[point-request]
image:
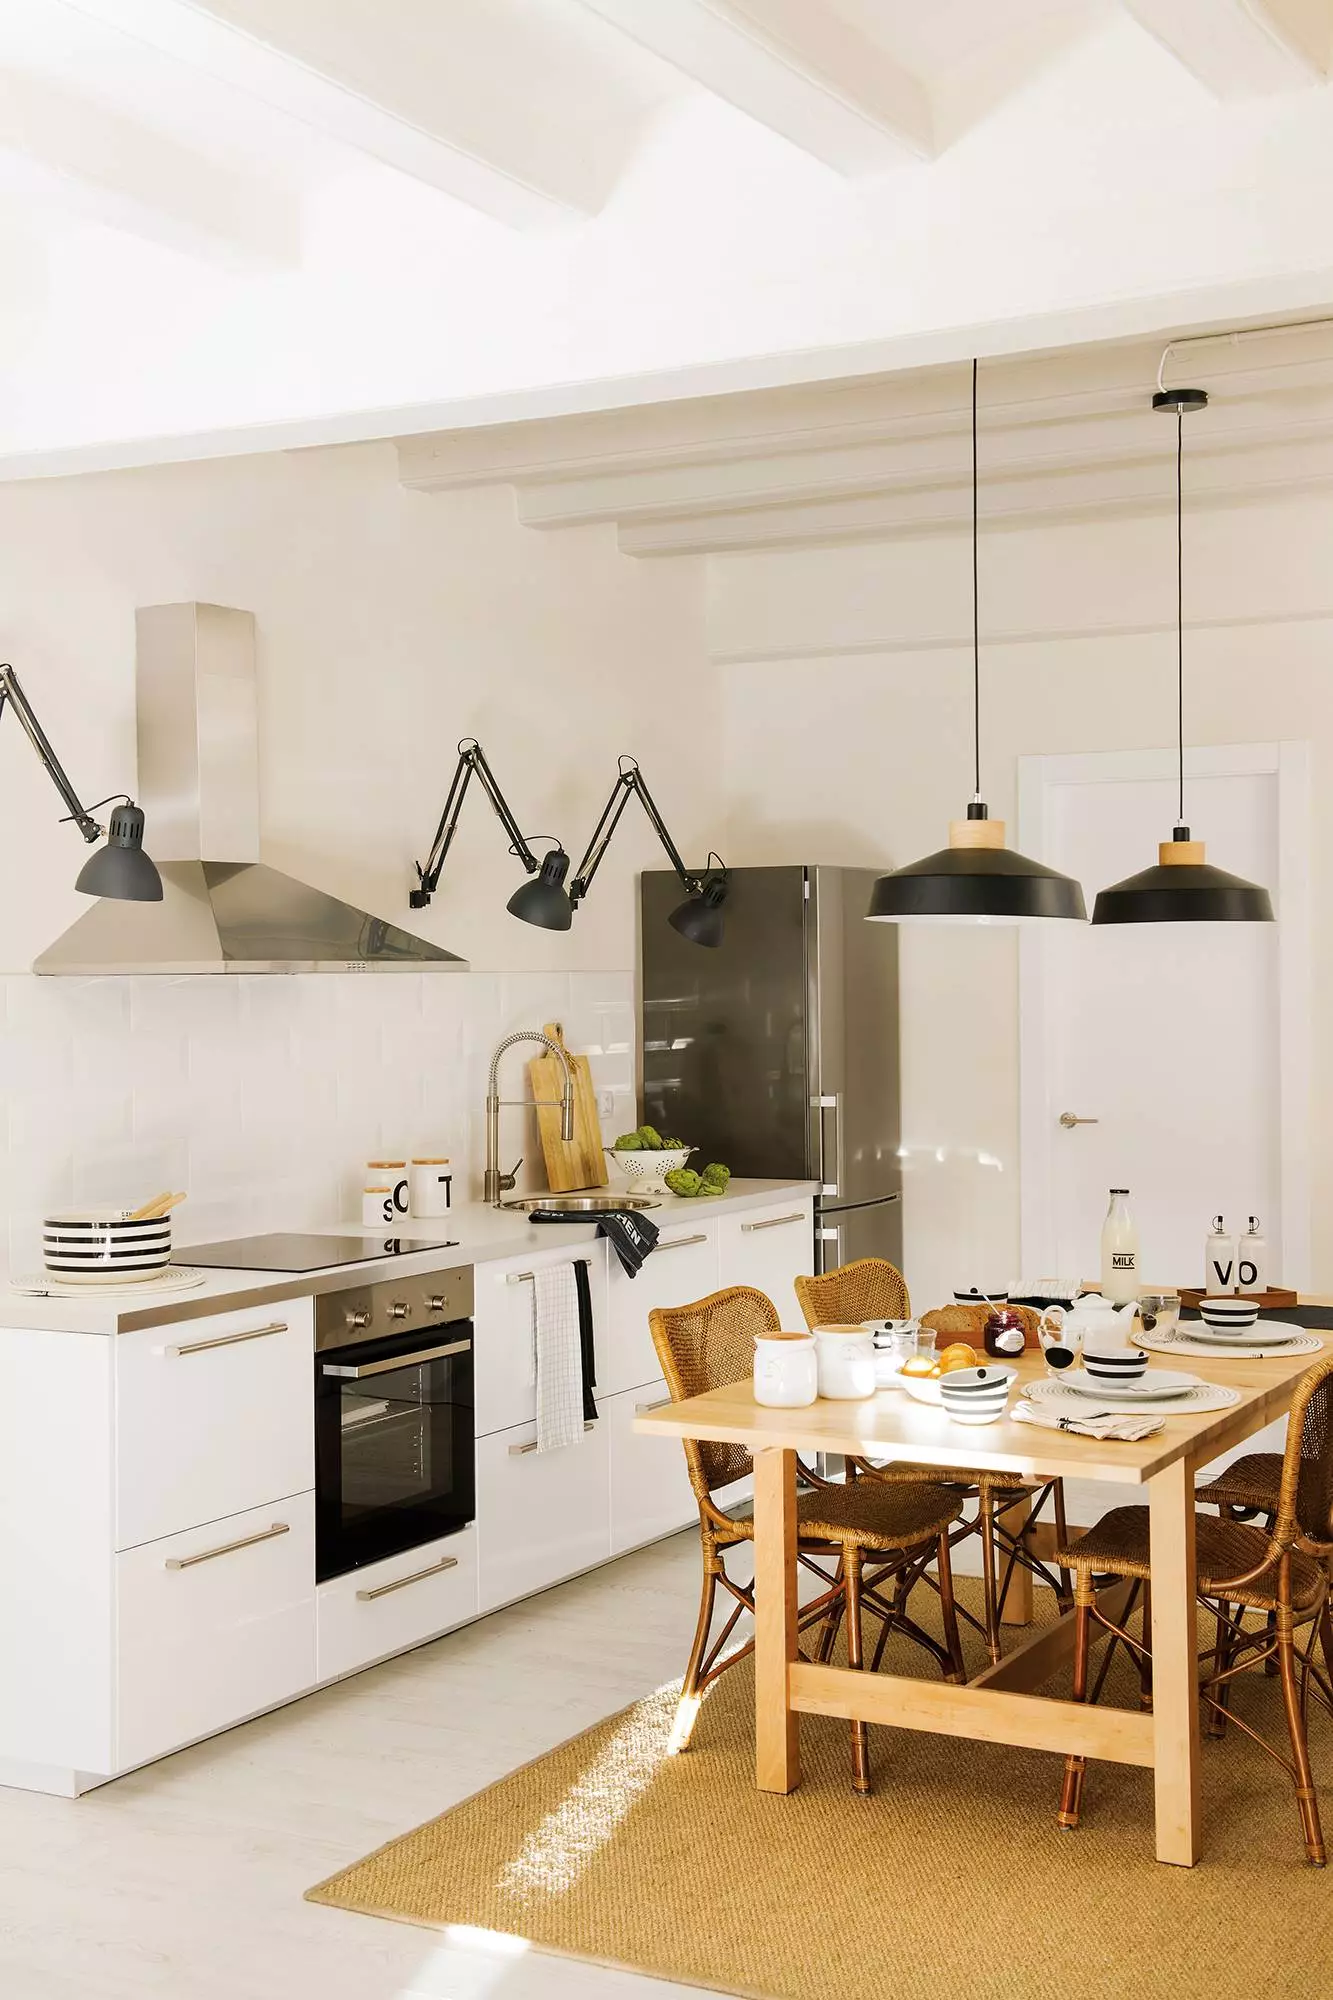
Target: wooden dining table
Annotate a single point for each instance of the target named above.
(999, 1705)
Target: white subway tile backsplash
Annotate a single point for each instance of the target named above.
(263, 1096)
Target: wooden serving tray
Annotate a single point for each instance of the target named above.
(1276, 1299)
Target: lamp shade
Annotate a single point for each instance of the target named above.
(121, 870)
(700, 918)
(1183, 888)
(975, 879)
(543, 902)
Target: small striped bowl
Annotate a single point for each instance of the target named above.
(1121, 1364)
(976, 1395)
(1230, 1312)
(91, 1247)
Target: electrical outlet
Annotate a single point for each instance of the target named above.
(606, 1103)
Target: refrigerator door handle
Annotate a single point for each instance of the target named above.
(821, 1105)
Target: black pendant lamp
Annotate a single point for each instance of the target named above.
(976, 879)
(1183, 888)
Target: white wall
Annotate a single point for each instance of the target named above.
(849, 726)
(389, 626)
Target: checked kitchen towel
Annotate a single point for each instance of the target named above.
(556, 1334)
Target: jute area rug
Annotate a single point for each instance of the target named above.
(951, 1880)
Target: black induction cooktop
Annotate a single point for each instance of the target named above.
(284, 1252)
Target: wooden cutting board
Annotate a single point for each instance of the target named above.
(1276, 1299)
(580, 1162)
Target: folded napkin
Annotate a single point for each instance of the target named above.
(1102, 1424)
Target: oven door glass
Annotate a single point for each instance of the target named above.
(395, 1455)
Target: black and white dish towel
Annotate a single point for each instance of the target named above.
(631, 1236)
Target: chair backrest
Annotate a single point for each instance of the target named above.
(1305, 1501)
(706, 1346)
(968, 1323)
(871, 1288)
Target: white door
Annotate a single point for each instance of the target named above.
(1178, 1043)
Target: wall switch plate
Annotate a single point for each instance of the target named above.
(606, 1103)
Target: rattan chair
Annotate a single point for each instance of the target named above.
(875, 1534)
(856, 1292)
(1281, 1574)
(871, 1288)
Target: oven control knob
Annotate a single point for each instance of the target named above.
(435, 1303)
(399, 1309)
(361, 1317)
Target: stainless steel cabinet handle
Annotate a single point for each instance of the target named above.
(228, 1339)
(364, 1368)
(680, 1243)
(645, 1409)
(527, 1277)
(829, 1186)
(1069, 1120)
(229, 1548)
(774, 1222)
(522, 1450)
(401, 1582)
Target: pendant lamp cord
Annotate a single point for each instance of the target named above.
(1180, 611)
(976, 627)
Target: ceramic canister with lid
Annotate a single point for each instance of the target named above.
(429, 1183)
(846, 1362)
(786, 1372)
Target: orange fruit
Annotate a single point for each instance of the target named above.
(960, 1355)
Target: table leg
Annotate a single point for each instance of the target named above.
(1018, 1597)
(1175, 1664)
(777, 1738)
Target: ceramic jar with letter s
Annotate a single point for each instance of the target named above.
(395, 1173)
(786, 1371)
(845, 1357)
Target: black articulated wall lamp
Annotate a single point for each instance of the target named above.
(976, 879)
(120, 870)
(699, 917)
(1182, 888)
(543, 902)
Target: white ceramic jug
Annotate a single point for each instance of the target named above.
(1096, 1325)
(786, 1373)
(846, 1358)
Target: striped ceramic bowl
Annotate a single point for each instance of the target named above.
(976, 1395)
(94, 1247)
(1119, 1364)
(1229, 1312)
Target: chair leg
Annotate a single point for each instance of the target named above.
(1071, 1795)
(687, 1708)
(990, 1594)
(828, 1638)
(1217, 1720)
(949, 1613)
(860, 1733)
(1145, 1657)
(1066, 1596)
(1306, 1802)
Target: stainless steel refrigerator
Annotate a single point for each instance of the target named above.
(778, 1051)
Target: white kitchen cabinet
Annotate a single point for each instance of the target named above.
(651, 1493)
(213, 1625)
(681, 1268)
(212, 1416)
(506, 1383)
(769, 1248)
(389, 1606)
(541, 1516)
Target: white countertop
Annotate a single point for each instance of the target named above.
(485, 1235)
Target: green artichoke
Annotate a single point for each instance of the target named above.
(629, 1142)
(684, 1181)
(650, 1139)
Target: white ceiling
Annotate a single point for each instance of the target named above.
(226, 224)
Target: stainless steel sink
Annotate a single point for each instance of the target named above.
(581, 1204)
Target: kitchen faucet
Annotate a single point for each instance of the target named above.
(495, 1183)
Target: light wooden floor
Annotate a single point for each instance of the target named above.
(185, 1880)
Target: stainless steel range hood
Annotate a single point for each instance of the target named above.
(222, 908)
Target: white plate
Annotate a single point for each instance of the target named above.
(1190, 1403)
(1264, 1333)
(1155, 1382)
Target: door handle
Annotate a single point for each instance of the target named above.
(646, 1409)
(394, 1361)
(523, 1450)
(680, 1243)
(831, 1103)
(228, 1548)
(1070, 1119)
(773, 1222)
(401, 1582)
(227, 1339)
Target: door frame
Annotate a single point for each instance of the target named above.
(1290, 764)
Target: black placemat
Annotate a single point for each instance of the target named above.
(1316, 1319)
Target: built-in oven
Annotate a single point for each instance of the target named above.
(395, 1453)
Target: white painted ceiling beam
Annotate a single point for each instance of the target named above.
(67, 150)
(458, 97)
(799, 69)
(1244, 48)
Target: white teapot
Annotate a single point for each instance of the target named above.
(1094, 1322)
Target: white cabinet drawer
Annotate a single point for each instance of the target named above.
(392, 1605)
(651, 1493)
(681, 1269)
(212, 1626)
(506, 1387)
(769, 1248)
(213, 1415)
(540, 1516)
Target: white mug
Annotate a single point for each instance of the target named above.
(845, 1357)
(786, 1372)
